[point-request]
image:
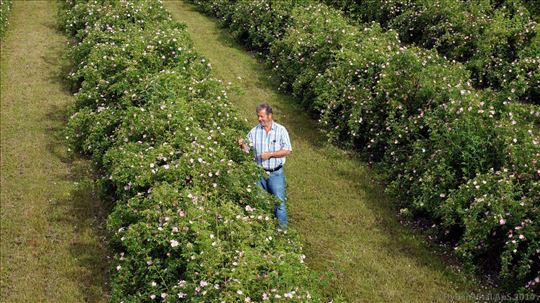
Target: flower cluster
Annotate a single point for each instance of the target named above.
(464, 158)
(497, 41)
(187, 223)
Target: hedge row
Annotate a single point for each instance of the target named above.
(467, 159)
(497, 41)
(5, 9)
(188, 223)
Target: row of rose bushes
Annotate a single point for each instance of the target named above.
(5, 9)
(497, 41)
(188, 222)
(467, 159)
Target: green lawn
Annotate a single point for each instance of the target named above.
(348, 225)
(52, 240)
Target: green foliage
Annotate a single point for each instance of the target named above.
(260, 23)
(5, 9)
(420, 118)
(189, 222)
(497, 48)
(486, 36)
(309, 45)
(346, 89)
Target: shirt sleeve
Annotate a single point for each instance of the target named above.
(250, 138)
(285, 141)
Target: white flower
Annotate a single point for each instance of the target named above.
(502, 221)
(174, 243)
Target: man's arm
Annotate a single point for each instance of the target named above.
(286, 147)
(277, 154)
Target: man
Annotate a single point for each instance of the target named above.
(271, 144)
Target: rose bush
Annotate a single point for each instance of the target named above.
(308, 46)
(420, 117)
(188, 223)
(495, 40)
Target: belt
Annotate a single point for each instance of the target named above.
(271, 170)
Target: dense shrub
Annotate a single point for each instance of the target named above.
(344, 91)
(308, 46)
(487, 36)
(467, 159)
(262, 22)
(498, 48)
(5, 9)
(188, 223)
(522, 81)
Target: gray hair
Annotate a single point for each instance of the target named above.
(264, 106)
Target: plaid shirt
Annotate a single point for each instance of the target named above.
(276, 139)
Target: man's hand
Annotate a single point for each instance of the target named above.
(266, 155)
(243, 145)
(276, 154)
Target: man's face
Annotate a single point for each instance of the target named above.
(264, 119)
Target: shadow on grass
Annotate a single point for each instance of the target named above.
(56, 58)
(84, 211)
(81, 208)
(401, 240)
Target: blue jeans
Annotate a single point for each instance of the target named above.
(275, 185)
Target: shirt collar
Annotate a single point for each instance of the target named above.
(271, 128)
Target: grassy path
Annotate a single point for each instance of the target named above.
(348, 225)
(51, 221)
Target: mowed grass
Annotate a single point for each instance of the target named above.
(52, 239)
(348, 225)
